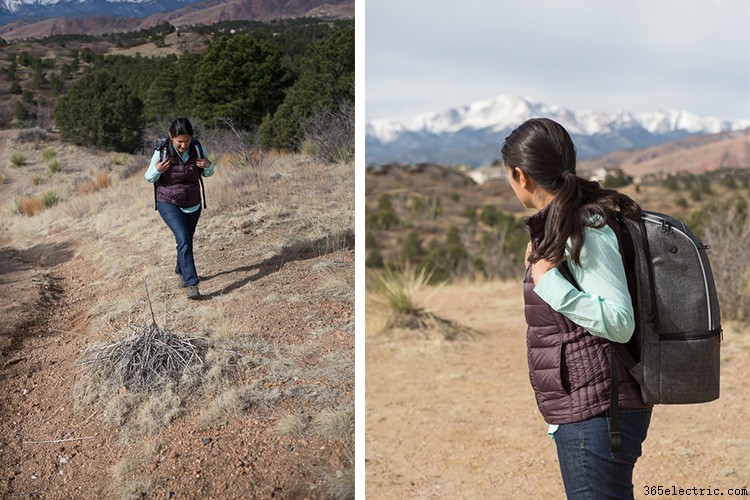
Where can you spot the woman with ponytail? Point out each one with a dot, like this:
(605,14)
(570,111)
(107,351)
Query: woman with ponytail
(576,301)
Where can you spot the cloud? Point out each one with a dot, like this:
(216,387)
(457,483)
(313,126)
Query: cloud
(583,54)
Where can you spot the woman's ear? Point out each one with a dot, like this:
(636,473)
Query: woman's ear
(523,179)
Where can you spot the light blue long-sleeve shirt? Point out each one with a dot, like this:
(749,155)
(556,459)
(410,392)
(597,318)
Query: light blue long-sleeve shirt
(152,175)
(603,307)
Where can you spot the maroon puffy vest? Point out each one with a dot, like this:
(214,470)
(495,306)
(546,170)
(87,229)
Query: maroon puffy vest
(180,185)
(569,368)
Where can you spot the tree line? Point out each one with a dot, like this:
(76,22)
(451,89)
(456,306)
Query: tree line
(269,82)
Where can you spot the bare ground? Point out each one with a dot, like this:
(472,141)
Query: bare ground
(458,419)
(272,419)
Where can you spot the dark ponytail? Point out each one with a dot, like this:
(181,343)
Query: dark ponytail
(544,151)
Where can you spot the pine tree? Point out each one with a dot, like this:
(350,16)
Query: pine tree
(326,80)
(241,79)
(100,111)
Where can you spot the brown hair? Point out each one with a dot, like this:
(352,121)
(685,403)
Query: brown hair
(544,151)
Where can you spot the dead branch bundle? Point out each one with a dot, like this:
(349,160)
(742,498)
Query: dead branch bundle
(146,357)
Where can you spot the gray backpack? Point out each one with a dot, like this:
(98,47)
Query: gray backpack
(674,352)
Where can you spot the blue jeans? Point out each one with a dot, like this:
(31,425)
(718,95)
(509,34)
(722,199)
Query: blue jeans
(589,469)
(183,227)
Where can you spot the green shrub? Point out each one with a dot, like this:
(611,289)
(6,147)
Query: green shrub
(384,216)
(50,198)
(18,159)
(411,248)
(48,154)
(374,258)
(54,166)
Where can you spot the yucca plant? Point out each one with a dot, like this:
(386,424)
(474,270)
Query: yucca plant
(396,289)
(400,291)
(50,198)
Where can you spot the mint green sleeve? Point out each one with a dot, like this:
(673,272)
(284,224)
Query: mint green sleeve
(603,307)
(152,175)
(208,171)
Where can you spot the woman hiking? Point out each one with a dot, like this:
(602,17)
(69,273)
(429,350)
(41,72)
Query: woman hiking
(569,327)
(176,172)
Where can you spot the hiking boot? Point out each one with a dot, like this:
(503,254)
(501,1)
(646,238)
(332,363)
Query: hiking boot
(193,292)
(181,282)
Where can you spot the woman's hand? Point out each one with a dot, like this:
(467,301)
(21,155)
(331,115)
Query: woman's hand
(202,163)
(526,257)
(538,268)
(163,166)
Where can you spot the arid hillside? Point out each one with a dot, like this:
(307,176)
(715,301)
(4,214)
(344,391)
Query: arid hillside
(266,408)
(695,155)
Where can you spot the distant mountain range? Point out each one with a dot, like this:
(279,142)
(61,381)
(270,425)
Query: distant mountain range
(16,10)
(41,18)
(473,134)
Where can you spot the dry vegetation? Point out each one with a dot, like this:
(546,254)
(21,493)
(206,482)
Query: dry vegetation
(275,358)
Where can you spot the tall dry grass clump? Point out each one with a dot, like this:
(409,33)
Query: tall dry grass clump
(29,206)
(400,293)
(99,182)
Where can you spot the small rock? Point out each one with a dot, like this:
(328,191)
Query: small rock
(276,176)
(65,459)
(206,441)
(288,447)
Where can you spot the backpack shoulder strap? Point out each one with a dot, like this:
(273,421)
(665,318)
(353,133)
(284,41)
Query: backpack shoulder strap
(198,148)
(199,154)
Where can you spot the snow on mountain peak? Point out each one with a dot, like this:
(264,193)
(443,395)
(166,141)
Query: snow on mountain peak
(14,6)
(506,111)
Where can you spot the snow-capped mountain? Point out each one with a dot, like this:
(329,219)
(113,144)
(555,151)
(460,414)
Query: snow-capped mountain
(27,10)
(473,134)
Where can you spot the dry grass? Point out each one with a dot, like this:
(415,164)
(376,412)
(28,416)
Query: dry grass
(335,423)
(99,182)
(30,206)
(124,483)
(400,296)
(291,425)
(233,402)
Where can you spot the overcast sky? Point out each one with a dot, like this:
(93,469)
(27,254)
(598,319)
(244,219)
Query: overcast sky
(607,55)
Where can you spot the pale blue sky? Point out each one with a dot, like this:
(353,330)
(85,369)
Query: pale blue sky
(608,55)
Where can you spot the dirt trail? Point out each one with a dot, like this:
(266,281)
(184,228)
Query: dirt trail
(295,303)
(458,419)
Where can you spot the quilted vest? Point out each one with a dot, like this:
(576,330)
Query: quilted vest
(179,185)
(569,368)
